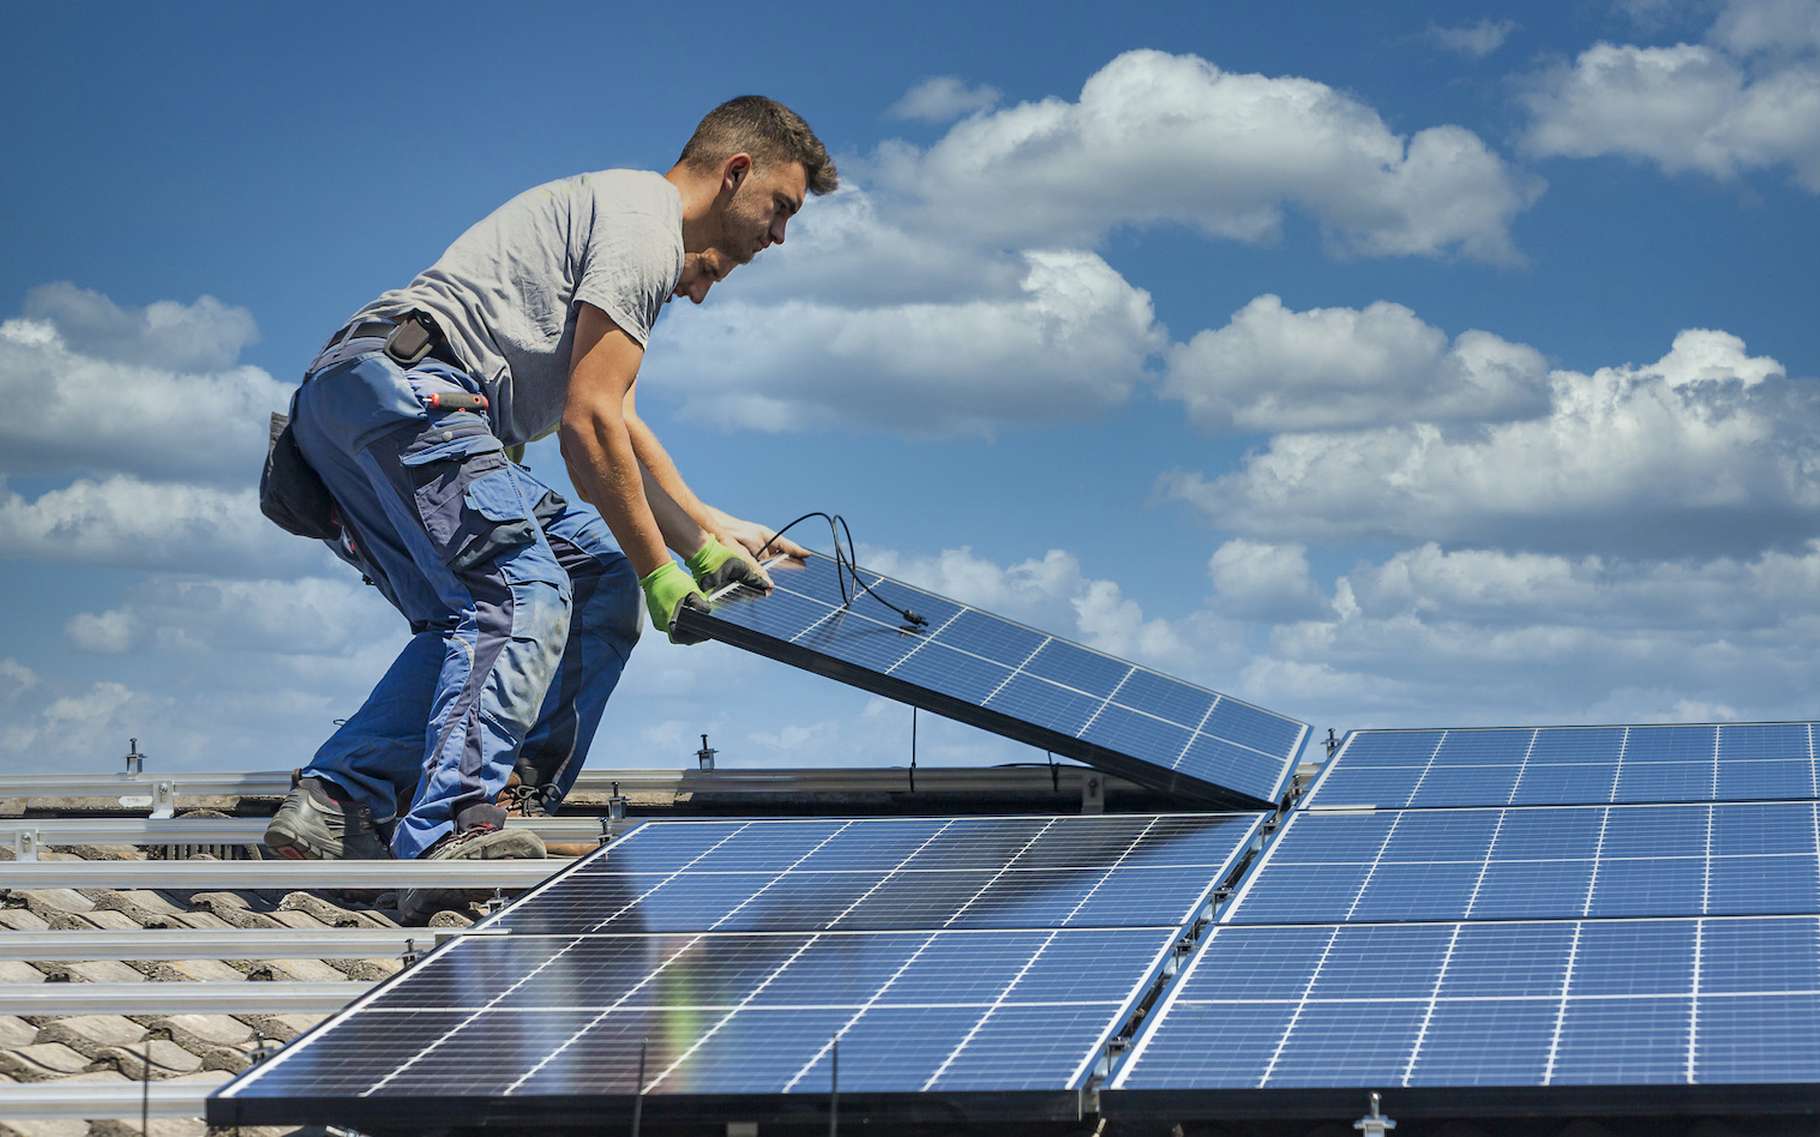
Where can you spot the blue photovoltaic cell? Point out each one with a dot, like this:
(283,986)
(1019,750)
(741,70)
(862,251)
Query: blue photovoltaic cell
(945,955)
(1590,1002)
(1016,681)
(1571,766)
(1538,862)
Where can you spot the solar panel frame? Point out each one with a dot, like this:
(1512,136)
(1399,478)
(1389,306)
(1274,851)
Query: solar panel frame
(1033,664)
(1015,1024)
(1736,764)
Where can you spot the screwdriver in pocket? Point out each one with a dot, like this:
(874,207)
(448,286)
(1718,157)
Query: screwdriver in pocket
(457,401)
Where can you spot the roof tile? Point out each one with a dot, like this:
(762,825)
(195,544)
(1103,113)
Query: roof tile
(196,1032)
(167,1059)
(16,1032)
(41,1062)
(89,1035)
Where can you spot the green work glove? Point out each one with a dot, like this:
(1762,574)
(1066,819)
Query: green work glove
(667,589)
(715,567)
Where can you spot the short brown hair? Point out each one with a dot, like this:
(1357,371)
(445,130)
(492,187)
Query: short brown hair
(765,129)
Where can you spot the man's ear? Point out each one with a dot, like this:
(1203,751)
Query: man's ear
(734,170)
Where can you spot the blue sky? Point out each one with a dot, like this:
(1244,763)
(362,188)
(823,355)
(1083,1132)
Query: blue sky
(1448,364)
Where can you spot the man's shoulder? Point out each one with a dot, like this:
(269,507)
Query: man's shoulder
(638,188)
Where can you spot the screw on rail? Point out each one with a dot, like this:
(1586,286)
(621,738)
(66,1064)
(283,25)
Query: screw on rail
(135,761)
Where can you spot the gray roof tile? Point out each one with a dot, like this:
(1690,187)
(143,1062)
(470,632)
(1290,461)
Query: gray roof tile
(41,1061)
(91,1034)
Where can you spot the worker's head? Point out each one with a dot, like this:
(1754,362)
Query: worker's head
(701,271)
(745,172)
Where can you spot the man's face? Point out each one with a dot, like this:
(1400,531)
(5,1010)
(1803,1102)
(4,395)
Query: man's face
(701,271)
(757,206)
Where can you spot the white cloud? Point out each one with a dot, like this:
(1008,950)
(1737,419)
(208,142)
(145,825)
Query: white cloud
(15,678)
(1748,100)
(943,98)
(1158,138)
(1475,40)
(1070,343)
(103,633)
(1260,581)
(1272,368)
(89,386)
(123,520)
(1747,27)
(1706,450)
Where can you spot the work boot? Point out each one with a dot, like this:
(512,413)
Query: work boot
(481,843)
(319,820)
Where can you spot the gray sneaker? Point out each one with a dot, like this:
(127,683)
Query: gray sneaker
(481,843)
(319,821)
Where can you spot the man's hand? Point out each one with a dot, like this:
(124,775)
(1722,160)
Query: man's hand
(755,539)
(715,566)
(666,591)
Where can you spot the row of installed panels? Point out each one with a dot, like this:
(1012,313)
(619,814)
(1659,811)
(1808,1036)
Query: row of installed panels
(1578,922)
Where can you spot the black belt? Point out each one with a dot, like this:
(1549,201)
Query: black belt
(383,329)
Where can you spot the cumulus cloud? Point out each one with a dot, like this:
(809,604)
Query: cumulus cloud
(1071,342)
(1706,450)
(127,521)
(15,678)
(1485,635)
(1159,138)
(1261,581)
(102,633)
(943,98)
(1476,40)
(1271,368)
(90,386)
(309,615)
(1748,99)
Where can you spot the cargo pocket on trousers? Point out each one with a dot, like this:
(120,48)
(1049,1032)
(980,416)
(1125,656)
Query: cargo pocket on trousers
(468,501)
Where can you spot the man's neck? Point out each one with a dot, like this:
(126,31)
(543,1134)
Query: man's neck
(698,194)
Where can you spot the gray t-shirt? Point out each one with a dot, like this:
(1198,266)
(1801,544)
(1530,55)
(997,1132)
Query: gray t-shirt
(504,294)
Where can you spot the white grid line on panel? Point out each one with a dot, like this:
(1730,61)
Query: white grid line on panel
(1522,769)
(833,611)
(1567,982)
(1491,847)
(566,1043)
(1427,769)
(1383,847)
(1110,869)
(1107,701)
(1617,770)
(1019,670)
(1198,731)
(870,1002)
(1813,770)
(1034,838)
(703,1038)
(769,884)
(1003,994)
(1434,998)
(928,639)
(531,974)
(894,870)
(1598,858)
(1295,1016)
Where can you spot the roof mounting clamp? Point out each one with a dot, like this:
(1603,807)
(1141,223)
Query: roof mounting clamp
(164,800)
(1093,793)
(1374,1124)
(25,845)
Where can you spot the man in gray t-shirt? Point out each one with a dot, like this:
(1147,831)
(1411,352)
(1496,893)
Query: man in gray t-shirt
(524,606)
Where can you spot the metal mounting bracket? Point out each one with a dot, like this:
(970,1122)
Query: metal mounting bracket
(25,845)
(1374,1124)
(1093,794)
(164,800)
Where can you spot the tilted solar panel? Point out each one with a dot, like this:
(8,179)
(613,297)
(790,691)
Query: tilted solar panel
(978,961)
(989,672)
(1573,765)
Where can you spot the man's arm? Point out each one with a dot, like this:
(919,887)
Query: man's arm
(596,444)
(743,536)
(597,449)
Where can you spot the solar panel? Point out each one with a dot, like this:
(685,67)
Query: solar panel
(1468,949)
(954,985)
(1557,1003)
(1571,765)
(989,672)
(1333,866)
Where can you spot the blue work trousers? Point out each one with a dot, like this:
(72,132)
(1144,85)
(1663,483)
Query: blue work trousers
(523,609)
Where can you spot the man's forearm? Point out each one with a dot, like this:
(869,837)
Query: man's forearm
(599,454)
(681,531)
(658,464)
